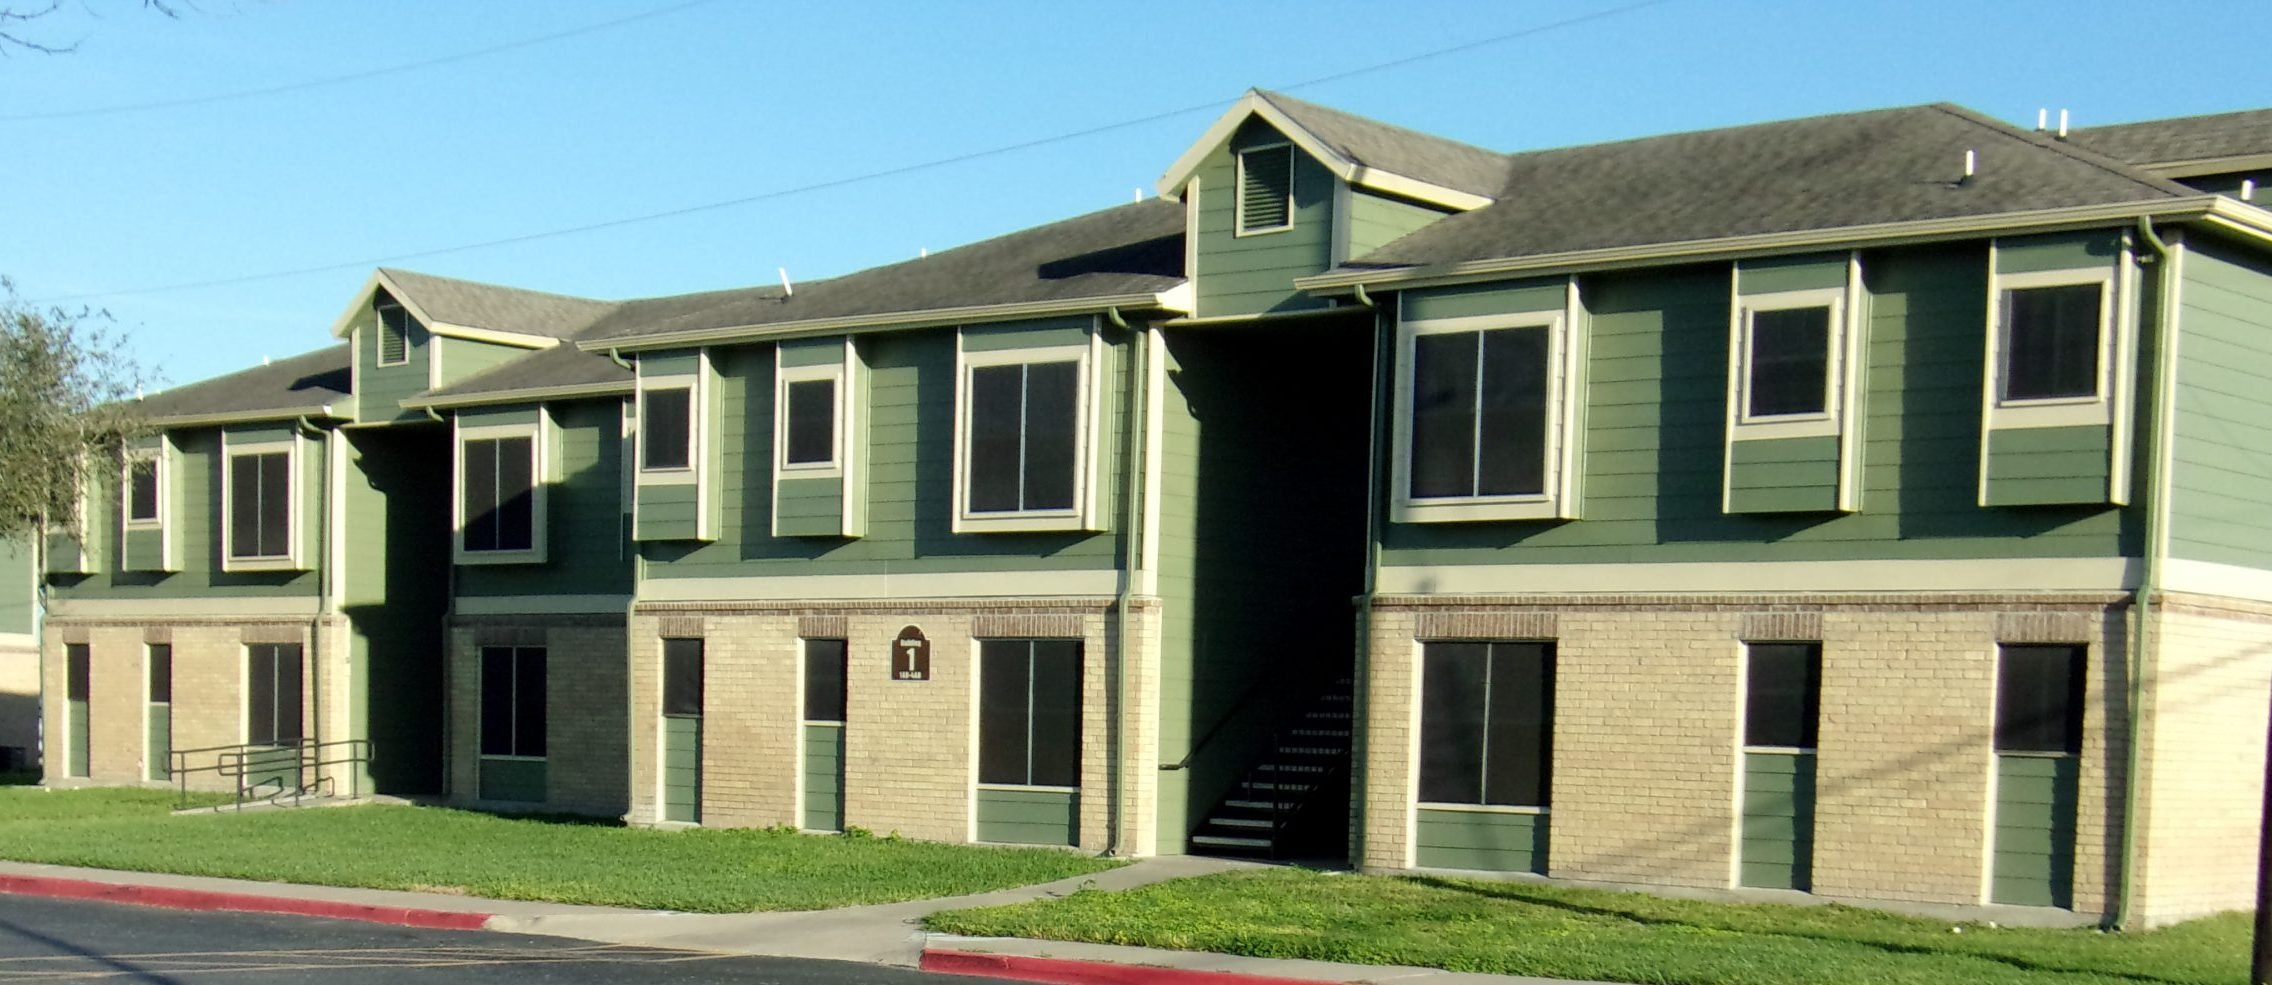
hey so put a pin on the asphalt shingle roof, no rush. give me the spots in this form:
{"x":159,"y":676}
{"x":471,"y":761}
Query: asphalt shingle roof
{"x":1410,"y":153}
{"x":499,"y":309}
{"x":1826,"y":172}
{"x":559,"y":366}
{"x":2185,"y":138}
{"x":287,"y":387}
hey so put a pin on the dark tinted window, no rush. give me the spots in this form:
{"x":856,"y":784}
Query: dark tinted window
{"x":142,"y":489}
{"x":1487,"y":723}
{"x":1443,"y":414}
{"x":997,"y":412}
{"x":682,"y":677}
{"x":1790,"y":361}
{"x":1052,"y":417}
{"x":161,"y":673}
{"x":2051,"y":342}
{"x":500,"y":494}
{"x":1782,"y":694}
{"x":260,"y":505}
{"x":2039,"y":699}
{"x":824,"y":680}
{"x":272,"y":698}
{"x":1479,"y":413}
{"x":76,"y":672}
{"x":1024,"y":434}
{"x":666,"y":429}
{"x":512,"y":700}
{"x":811,"y":427}
{"x":1029,"y":712}
{"x":1511,"y":415}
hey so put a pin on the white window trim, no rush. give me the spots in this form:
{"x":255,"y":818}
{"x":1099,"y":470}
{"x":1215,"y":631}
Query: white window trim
{"x":2098,"y":408}
{"x":295,"y":492}
{"x":838,"y":373}
{"x":1239,"y":228}
{"x":1083,"y":514}
{"x":1563,"y":390}
{"x":1742,"y":424}
{"x":163,"y":457}
{"x":691,"y":471}
{"x":540,"y":434}
{"x":379,"y":335}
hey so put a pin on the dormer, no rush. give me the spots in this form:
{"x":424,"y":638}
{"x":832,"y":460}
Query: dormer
{"x":1278,"y":188}
{"x":412,"y":333}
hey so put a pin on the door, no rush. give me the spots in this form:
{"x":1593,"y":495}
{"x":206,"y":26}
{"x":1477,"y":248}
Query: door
{"x":682,"y":730}
{"x":75,"y":674}
{"x":160,"y":717}
{"x":823,"y":774}
{"x":273,"y":709}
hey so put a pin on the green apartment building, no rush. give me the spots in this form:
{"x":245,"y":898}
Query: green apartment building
{"x":1877,"y":506}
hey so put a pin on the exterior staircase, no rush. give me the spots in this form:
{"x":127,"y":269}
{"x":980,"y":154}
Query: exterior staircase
{"x":1300,"y":784}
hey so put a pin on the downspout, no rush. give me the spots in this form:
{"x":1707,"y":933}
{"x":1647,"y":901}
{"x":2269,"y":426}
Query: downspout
{"x":1132,"y":551}
{"x":1361,"y":678}
{"x":2158,"y":415}
{"x":618,"y":359}
{"x":324,"y":598}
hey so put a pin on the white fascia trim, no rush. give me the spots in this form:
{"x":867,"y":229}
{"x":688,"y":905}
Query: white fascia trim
{"x":540,"y":433}
{"x":1099,"y":584}
{"x":280,"y":415}
{"x":1180,"y":173}
{"x":491,"y":336}
{"x":1805,"y":241}
{"x":542,"y":605}
{"x":2196,"y":166}
{"x":249,"y":608}
{"x":1748,"y":577}
{"x":1155,"y":432}
{"x":1553,"y":500}
{"x":889,"y":321}
{"x":295,"y":527}
{"x":1088,"y":396}
{"x":361,"y":302}
{"x":524,"y":396}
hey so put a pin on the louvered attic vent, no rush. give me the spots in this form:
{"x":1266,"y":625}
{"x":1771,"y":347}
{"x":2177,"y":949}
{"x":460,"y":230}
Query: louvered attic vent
{"x":1266,"y":188}
{"x":394,"y":335}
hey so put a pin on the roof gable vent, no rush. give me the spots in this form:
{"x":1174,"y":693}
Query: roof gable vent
{"x":1266,"y":188}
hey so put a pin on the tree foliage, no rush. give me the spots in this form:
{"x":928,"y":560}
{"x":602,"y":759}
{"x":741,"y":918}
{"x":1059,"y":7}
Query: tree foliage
{"x":67,"y":406}
{"x":18,"y":19}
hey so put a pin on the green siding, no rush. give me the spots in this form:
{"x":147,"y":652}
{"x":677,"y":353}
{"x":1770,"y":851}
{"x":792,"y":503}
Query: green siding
{"x":2058,"y":251}
{"x":1655,"y":423}
{"x":1245,"y":275}
{"x":160,"y":741}
{"x":521,"y":780}
{"x":143,"y":550}
{"x":1783,"y":475}
{"x":1773,"y":275}
{"x":1028,"y":817}
{"x":909,"y":467}
{"x":381,"y":389}
{"x":480,"y":417}
{"x":685,"y":363}
{"x":1778,"y":821}
{"x":1491,"y":841}
{"x":1027,"y":334}
{"x":1378,"y":220}
{"x":463,"y":360}
{"x":824,"y":777}
{"x":2221,"y":477}
{"x":1549,"y":294}
{"x":2034,"y":862}
{"x":396,"y":573}
{"x":682,"y":769}
{"x":586,"y":552}
{"x":812,"y":352}
{"x":668,"y":512}
{"x":809,"y":508}
{"x":2037,"y":466}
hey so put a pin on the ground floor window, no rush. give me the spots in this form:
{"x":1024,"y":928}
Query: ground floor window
{"x":1487,"y":723}
{"x":512,"y":701}
{"x":1029,"y":713}
{"x":272,"y":693}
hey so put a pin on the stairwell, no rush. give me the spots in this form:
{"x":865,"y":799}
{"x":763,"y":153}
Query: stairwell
{"x":1297,"y":790}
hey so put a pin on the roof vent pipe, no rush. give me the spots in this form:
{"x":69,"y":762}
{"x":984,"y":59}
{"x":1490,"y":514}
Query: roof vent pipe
{"x":2062,"y":124}
{"x":2248,"y":189}
{"x":1971,"y":165}
{"x":2042,"y":119}
{"x":787,"y":290}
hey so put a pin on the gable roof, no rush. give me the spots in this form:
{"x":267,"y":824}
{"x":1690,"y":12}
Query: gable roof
{"x":1121,"y":256}
{"x":2216,"y":137}
{"x":468,"y":309}
{"x":1822,"y":173}
{"x":1361,"y":151}
{"x":306,"y":385}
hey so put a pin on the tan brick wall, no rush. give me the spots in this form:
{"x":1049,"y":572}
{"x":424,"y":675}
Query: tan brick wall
{"x":587,"y":742}
{"x":1647,"y":734}
{"x":909,"y":746}
{"x":2203,"y":767}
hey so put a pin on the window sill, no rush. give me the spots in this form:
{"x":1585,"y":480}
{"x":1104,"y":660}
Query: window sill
{"x":1244,"y":233}
{"x":1481,"y":808}
{"x":829,"y":470}
{"x":478,"y":558}
{"x":667,"y":477}
{"x":1028,"y":788}
{"x":262,"y":564}
{"x":133,"y":524}
{"x":1008,"y":523}
{"x":2050,"y":412}
{"x":1475,"y":509}
{"x":496,"y":758}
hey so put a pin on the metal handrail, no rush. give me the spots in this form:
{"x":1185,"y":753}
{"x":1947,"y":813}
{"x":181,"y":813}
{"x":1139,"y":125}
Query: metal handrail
{"x":240,"y":760}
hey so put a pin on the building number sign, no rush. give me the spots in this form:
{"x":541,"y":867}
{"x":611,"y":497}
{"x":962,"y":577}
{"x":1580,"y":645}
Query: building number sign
{"x":911,"y":656}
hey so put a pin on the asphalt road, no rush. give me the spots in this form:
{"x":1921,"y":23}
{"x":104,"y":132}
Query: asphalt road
{"x":50,"y":940}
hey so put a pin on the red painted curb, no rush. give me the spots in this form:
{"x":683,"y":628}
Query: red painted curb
{"x":201,"y":899}
{"x":1063,"y":971}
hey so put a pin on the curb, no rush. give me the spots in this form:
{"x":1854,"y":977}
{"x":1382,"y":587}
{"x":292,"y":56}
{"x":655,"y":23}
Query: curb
{"x":201,"y":899}
{"x":1066,"y":971}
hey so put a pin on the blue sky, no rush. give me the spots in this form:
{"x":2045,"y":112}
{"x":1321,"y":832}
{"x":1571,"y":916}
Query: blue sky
{"x":720,"y":100}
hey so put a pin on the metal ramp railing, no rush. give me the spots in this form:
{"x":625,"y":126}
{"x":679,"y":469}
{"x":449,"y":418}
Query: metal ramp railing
{"x":273,"y":771}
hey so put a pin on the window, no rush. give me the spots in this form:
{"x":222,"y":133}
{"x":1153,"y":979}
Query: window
{"x":2039,"y":699}
{"x":142,"y":497}
{"x":811,"y":383}
{"x":272,"y":693}
{"x":824,"y":680}
{"x":262,"y":518}
{"x":499,"y":494}
{"x":682,"y":678}
{"x":394,"y":334}
{"x":1266,"y":189}
{"x":809,"y":423}
{"x":1029,"y":713}
{"x":1024,"y":448}
{"x":161,"y":673}
{"x":512,"y":701}
{"x":1788,"y":362}
{"x":666,"y":428}
{"x":1487,"y":723}
{"x":1480,"y":415}
{"x":2051,"y":341}
{"x":1782,"y":695}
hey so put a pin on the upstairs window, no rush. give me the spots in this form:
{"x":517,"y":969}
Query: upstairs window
{"x":1479,"y":413}
{"x":811,"y":384}
{"x":258,"y":501}
{"x":666,"y":428}
{"x":1266,"y":189}
{"x":1025,"y":444}
{"x":394,"y":334}
{"x":2052,"y":339}
{"x":808,"y":424}
{"x":1788,"y":362}
{"x":500,"y":490}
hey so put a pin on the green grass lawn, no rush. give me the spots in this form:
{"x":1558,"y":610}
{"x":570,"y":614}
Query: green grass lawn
{"x":1556,"y":932}
{"x":439,"y":850}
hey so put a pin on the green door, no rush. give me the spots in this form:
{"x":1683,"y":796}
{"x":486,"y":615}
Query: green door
{"x":682,"y":730}
{"x":75,"y":673}
{"x":2039,"y":744}
{"x":824,"y":736}
{"x":160,"y":720}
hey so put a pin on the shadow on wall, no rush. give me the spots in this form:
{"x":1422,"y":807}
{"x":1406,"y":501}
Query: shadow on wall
{"x":19,"y":729}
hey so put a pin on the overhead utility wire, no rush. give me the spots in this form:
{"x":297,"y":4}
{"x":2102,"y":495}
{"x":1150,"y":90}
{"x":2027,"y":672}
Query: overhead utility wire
{"x":331,"y":80}
{"x":837,"y":182}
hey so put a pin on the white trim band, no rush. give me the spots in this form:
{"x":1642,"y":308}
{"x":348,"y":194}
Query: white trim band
{"x":1734,"y":578}
{"x":1104,"y":583}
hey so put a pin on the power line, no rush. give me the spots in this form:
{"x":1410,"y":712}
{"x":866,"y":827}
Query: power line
{"x":850,"y":180}
{"x":333,"y":80}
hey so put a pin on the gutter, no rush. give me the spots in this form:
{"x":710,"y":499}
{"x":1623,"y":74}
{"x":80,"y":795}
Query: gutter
{"x":300,"y":415}
{"x":529,"y":395}
{"x":2160,"y":416}
{"x":922,"y":318}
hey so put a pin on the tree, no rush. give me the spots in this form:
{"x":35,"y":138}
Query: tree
{"x":67,"y":407}
{"x":15,"y":20}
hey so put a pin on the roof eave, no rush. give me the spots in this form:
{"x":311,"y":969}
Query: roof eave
{"x":1876,"y":234}
{"x":329,"y":411}
{"x":2197,"y":166}
{"x":524,"y":395}
{"x":1172,"y":299}
{"x":517,"y":340}
{"x":1179,"y":174}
